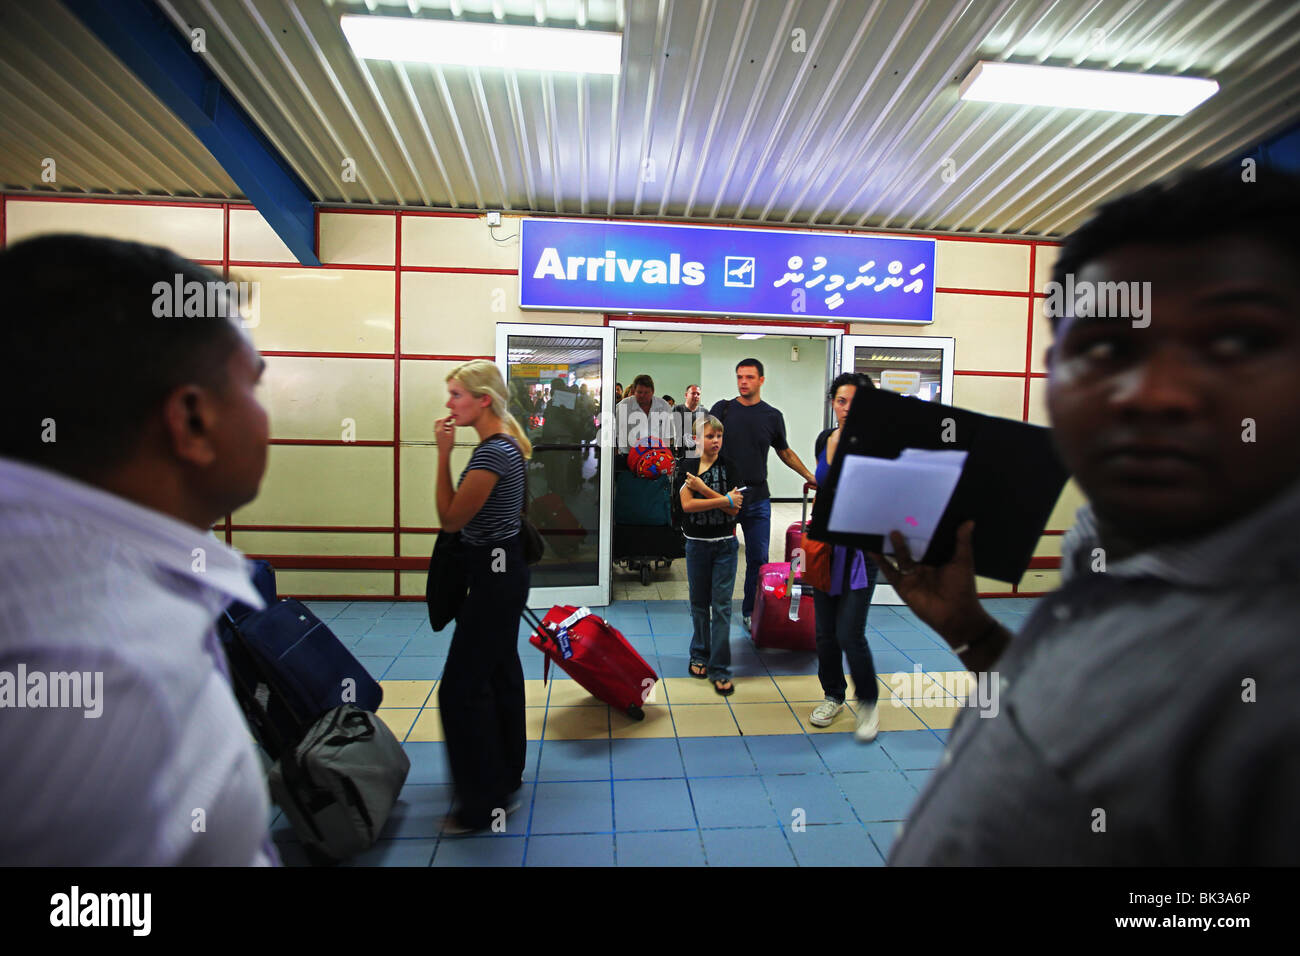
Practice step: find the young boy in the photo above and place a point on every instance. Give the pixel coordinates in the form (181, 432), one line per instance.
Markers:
(709, 524)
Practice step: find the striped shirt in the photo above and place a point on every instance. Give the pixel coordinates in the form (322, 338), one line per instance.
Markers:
(110, 600)
(1159, 689)
(498, 519)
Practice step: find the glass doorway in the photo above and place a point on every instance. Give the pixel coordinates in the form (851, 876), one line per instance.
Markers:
(560, 380)
(908, 364)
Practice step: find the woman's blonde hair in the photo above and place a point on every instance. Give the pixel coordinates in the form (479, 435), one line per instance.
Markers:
(481, 377)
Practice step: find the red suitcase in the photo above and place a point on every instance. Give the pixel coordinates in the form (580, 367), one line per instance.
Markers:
(594, 654)
(783, 611)
(794, 533)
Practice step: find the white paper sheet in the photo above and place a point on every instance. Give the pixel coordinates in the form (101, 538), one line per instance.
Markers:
(907, 494)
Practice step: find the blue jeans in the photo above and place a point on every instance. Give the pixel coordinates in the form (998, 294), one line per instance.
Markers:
(842, 629)
(756, 522)
(711, 574)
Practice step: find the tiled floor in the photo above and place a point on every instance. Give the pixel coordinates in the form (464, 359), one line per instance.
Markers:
(703, 780)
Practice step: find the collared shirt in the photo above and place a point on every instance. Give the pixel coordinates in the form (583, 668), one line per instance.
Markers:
(684, 423)
(120, 600)
(1146, 714)
(635, 426)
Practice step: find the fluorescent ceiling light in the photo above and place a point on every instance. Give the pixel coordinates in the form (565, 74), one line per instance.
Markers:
(1068, 88)
(752, 335)
(458, 43)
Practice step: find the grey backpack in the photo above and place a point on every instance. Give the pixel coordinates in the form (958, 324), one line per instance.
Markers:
(338, 785)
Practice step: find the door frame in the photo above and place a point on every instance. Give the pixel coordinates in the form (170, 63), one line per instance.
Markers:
(885, 594)
(597, 595)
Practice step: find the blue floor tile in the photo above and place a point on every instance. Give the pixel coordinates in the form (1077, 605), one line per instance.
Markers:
(754, 847)
(841, 752)
(371, 610)
(427, 643)
(918, 778)
(883, 836)
(912, 749)
(380, 645)
(326, 609)
(574, 760)
(937, 660)
(732, 802)
(418, 812)
(408, 609)
(409, 667)
(634, 759)
(878, 794)
(376, 667)
(670, 848)
(500, 849)
(428, 763)
(716, 757)
(817, 795)
(350, 629)
(572, 808)
(652, 805)
(396, 853)
(914, 641)
(394, 627)
(888, 662)
(836, 845)
(785, 753)
(575, 850)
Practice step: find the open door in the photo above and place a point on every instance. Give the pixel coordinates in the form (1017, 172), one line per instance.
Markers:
(560, 380)
(910, 364)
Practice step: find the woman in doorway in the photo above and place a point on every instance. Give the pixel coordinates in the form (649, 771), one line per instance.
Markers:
(842, 611)
(481, 694)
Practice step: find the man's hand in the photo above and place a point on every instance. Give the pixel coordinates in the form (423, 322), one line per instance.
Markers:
(943, 597)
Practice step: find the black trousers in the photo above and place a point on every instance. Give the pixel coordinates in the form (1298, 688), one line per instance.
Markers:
(481, 695)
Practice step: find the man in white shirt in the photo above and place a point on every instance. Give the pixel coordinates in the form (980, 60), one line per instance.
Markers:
(642, 416)
(685, 416)
(131, 428)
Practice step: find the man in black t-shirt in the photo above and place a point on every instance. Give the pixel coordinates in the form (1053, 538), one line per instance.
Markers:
(753, 426)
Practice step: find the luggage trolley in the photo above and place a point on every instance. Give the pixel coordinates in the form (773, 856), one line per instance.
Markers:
(644, 536)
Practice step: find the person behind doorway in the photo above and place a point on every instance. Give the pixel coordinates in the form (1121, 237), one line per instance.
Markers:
(841, 612)
(710, 501)
(618, 391)
(686, 417)
(754, 426)
(125, 437)
(642, 416)
(1157, 683)
(481, 694)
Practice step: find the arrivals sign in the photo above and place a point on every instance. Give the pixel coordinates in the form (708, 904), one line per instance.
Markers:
(586, 265)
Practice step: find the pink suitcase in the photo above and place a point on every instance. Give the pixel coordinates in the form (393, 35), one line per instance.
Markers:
(794, 533)
(783, 611)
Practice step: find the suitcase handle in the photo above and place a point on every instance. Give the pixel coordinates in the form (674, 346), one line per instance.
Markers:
(806, 487)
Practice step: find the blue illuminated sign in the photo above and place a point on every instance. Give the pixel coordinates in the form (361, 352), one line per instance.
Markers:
(584, 265)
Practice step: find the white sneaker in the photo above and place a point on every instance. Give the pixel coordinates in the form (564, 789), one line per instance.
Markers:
(748, 629)
(868, 723)
(825, 712)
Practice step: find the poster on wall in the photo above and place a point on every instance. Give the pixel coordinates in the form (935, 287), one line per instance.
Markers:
(588, 265)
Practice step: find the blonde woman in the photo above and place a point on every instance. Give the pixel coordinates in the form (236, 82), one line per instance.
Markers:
(481, 694)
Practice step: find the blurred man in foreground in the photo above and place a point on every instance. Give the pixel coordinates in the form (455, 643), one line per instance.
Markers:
(1148, 711)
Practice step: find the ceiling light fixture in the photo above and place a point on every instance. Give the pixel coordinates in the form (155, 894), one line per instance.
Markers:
(1068, 88)
(460, 43)
(751, 335)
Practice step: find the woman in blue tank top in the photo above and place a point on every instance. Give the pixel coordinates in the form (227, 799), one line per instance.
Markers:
(842, 611)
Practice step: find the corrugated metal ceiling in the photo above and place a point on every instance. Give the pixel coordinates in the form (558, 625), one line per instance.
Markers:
(835, 113)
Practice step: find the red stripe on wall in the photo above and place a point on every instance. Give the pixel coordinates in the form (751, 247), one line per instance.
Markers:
(1029, 331)
(330, 442)
(462, 270)
(397, 401)
(1001, 292)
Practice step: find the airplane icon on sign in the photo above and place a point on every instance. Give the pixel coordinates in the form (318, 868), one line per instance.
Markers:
(737, 269)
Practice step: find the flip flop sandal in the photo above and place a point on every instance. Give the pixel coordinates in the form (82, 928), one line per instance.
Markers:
(699, 670)
(724, 693)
